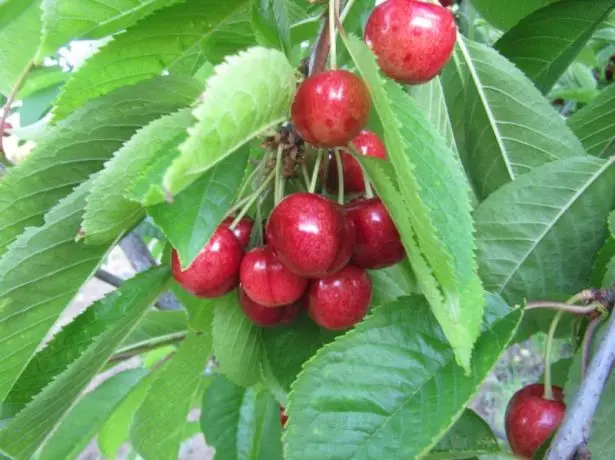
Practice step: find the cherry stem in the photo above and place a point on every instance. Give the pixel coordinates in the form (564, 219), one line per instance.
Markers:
(346, 10)
(576, 309)
(332, 37)
(587, 343)
(306, 176)
(550, 337)
(250, 178)
(253, 198)
(279, 184)
(340, 176)
(238, 205)
(315, 172)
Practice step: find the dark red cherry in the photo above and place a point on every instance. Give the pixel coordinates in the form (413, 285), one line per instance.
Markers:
(310, 234)
(215, 271)
(341, 300)
(267, 316)
(530, 418)
(446, 3)
(330, 108)
(283, 416)
(267, 281)
(368, 144)
(377, 243)
(413, 40)
(242, 230)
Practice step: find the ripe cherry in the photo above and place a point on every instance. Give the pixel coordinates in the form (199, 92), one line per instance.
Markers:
(242, 230)
(377, 244)
(267, 316)
(530, 418)
(340, 301)
(283, 416)
(446, 3)
(368, 144)
(310, 235)
(266, 281)
(330, 108)
(215, 271)
(412, 40)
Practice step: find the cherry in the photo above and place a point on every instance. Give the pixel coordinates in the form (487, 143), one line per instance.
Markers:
(530, 418)
(446, 3)
(368, 144)
(283, 416)
(310, 234)
(330, 108)
(267, 316)
(377, 244)
(340, 301)
(215, 271)
(412, 40)
(242, 230)
(266, 281)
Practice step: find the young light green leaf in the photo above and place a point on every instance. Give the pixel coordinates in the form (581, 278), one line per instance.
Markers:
(402, 368)
(66, 20)
(393, 282)
(108, 213)
(595, 123)
(241, 423)
(271, 24)
(11, 9)
(537, 236)
(32, 426)
(238, 345)
(195, 213)
(19, 41)
(504, 15)
(233, 111)
(145, 50)
(509, 126)
(438, 210)
(157, 328)
(157, 430)
(78, 147)
(41, 78)
(546, 42)
(85, 419)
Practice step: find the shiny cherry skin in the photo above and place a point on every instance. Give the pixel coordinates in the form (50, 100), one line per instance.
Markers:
(378, 244)
(310, 234)
(330, 108)
(341, 300)
(367, 144)
(530, 418)
(267, 281)
(413, 40)
(215, 271)
(267, 316)
(242, 230)
(446, 3)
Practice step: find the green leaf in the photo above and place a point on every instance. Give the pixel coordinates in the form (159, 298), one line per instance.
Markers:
(85, 419)
(537, 236)
(41, 78)
(157, 327)
(594, 123)
(78, 147)
(509, 127)
(66, 20)
(129, 303)
(271, 24)
(234, 109)
(237, 342)
(353, 24)
(36, 106)
(241, 423)
(402, 368)
(546, 42)
(145, 50)
(11, 9)
(19, 40)
(195, 213)
(233, 35)
(559, 372)
(602, 264)
(393, 282)
(504, 15)
(438, 210)
(470, 436)
(108, 213)
(158, 426)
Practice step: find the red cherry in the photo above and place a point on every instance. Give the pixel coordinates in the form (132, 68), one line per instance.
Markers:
(267, 316)
(283, 416)
(530, 418)
(215, 271)
(340, 301)
(310, 235)
(446, 3)
(368, 144)
(412, 40)
(377, 244)
(267, 281)
(242, 230)
(330, 108)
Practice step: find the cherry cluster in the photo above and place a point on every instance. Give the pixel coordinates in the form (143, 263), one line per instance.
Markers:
(316, 252)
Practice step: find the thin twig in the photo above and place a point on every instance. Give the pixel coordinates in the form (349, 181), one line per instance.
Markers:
(576, 309)
(171, 340)
(109, 278)
(320, 51)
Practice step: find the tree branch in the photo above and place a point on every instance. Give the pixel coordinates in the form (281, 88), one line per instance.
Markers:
(320, 50)
(574, 430)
